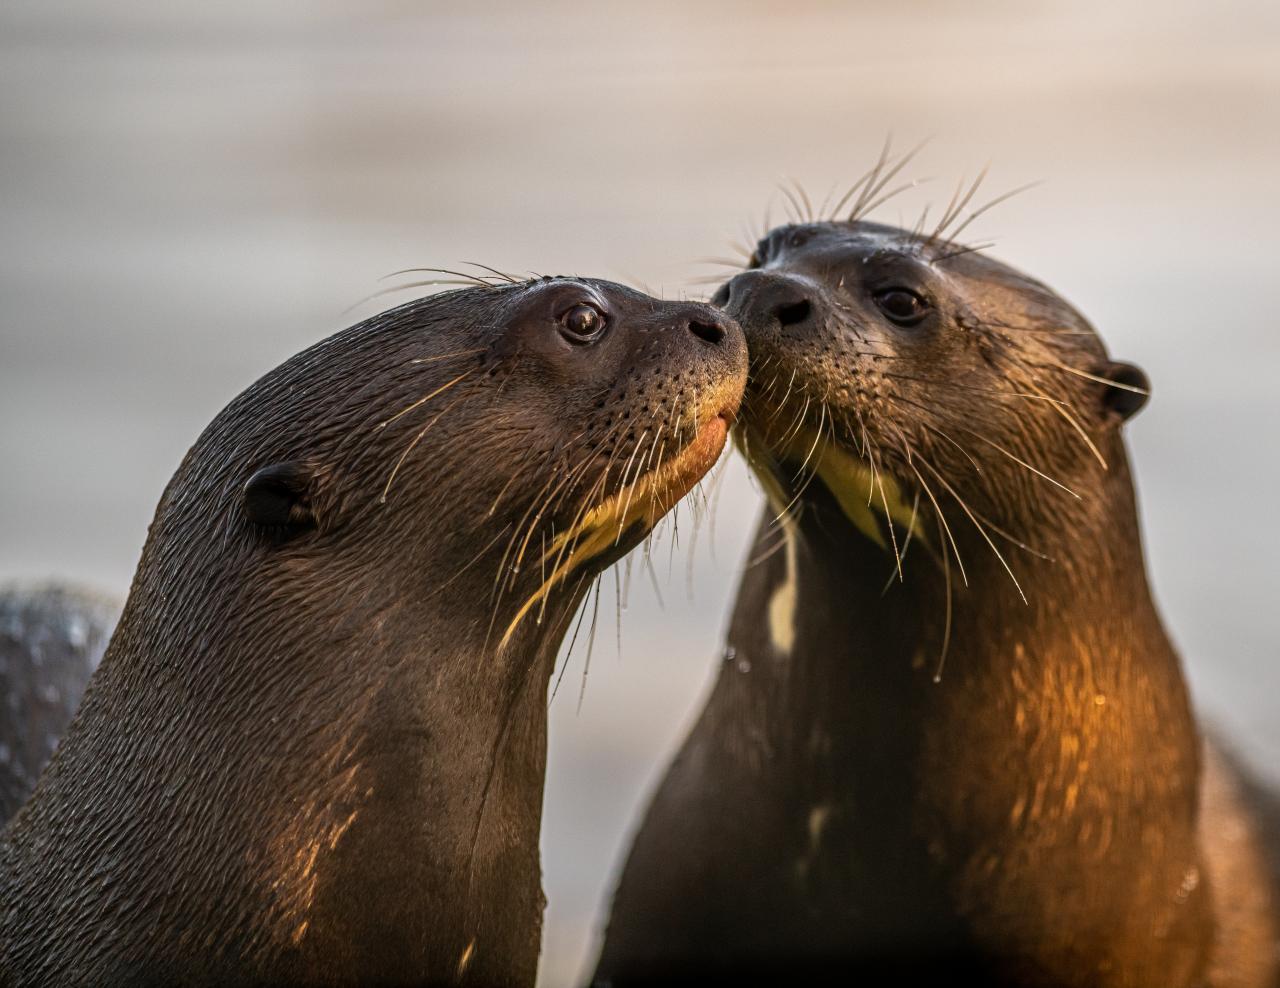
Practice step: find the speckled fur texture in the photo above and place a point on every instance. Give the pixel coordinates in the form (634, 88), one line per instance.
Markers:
(304, 758)
(909, 771)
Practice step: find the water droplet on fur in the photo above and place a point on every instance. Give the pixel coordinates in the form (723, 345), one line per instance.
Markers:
(730, 653)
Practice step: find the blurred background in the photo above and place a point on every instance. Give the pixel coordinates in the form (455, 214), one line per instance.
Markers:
(190, 193)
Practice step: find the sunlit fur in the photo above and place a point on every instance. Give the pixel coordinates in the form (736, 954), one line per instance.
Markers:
(946, 654)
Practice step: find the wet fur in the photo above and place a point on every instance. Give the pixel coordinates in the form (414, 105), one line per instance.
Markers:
(304, 757)
(937, 780)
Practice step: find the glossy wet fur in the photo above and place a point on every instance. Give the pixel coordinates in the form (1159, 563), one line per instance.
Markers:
(924, 776)
(305, 756)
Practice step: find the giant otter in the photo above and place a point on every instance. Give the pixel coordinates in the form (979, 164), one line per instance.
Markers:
(954, 740)
(314, 749)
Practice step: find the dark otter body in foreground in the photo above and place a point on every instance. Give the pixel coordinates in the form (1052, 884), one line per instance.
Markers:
(314, 750)
(918, 774)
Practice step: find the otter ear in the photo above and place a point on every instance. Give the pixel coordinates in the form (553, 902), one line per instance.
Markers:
(280, 496)
(1126, 388)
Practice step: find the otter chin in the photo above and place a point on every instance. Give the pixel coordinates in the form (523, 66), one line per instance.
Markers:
(960, 745)
(314, 750)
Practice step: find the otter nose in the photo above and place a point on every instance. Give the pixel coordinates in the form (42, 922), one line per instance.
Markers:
(707, 324)
(754, 296)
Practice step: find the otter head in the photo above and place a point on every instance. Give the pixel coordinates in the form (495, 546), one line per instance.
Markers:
(492, 447)
(905, 372)
(495, 444)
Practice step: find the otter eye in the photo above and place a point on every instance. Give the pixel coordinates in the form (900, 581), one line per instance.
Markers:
(901, 306)
(582, 324)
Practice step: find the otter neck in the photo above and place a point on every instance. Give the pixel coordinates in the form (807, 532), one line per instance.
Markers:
(1051, 768)
(367, 789)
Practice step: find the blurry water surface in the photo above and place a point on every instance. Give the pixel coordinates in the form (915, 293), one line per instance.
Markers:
(191, 193)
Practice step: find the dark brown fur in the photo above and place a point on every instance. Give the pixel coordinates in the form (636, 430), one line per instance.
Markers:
(935, 779)
(307, 756)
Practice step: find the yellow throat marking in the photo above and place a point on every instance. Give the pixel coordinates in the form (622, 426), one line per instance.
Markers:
(864, 495)
(599, 528)
(645, 500)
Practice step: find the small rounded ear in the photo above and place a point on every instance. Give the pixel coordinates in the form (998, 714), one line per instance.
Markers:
(1126, 389)
(280, 496)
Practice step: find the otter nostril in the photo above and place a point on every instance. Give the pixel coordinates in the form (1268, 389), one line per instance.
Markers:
(792, 312)
(708, 332)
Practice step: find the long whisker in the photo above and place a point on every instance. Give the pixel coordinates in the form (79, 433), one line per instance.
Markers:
(1075, 424)
(976, 524)
(410, 448)
(947, 528)
(548, 505)
(934, 429)
(958, 206)
(1101, 380)
(879, 201)
(721, 262)
(425, 398)
(1008, 537)
(509, 279)
(863, 179)
(805, 478)
(473, 560)
(713, 497)
(1005, 197)
(888, 517)
(804, 197)
(476, 281)
(797, 213)
(906, 544)
(995, 392)
(868, 198)
(1024, 463)
(564, 666)
(946, 626)
(630, 490)
(428, 283)
(591, 639)
(538, 506)
(961, 251)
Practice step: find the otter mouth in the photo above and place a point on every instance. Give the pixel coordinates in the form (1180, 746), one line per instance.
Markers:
(608, 531)
(672, 481)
